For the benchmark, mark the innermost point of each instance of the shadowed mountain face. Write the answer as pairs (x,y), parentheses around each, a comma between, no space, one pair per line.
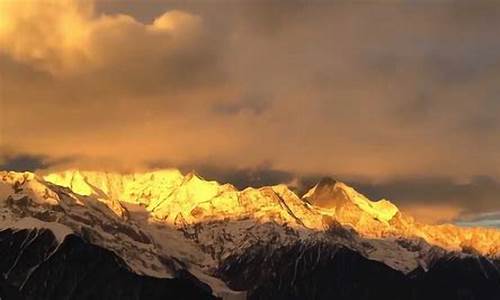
(35,266)
(459,278)
(320,271)
(325,194)
(7,291)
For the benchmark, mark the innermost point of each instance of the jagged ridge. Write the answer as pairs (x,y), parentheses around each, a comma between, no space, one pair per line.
(161,222)
(191,199)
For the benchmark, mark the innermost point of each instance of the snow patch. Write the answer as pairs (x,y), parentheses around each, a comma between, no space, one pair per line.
(60,231)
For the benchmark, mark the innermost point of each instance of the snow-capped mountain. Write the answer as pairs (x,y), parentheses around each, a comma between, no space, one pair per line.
(232,243)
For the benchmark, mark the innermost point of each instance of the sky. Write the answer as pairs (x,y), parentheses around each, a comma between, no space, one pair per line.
(400,99)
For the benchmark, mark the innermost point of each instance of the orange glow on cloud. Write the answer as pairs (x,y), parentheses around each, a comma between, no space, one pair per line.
(300,89)
(433,213)
(63,37)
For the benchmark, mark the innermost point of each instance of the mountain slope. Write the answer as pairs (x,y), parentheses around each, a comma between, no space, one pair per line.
(41,267)
(162,224)
(325,271)
(382,219)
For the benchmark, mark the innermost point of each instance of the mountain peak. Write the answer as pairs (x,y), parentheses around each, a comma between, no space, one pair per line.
(332,194)
(326,181)
(161,201)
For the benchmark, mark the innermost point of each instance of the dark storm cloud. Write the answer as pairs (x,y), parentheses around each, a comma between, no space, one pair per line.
(491,219)
(243,178)
(29,163)
(23,163)
(478,195)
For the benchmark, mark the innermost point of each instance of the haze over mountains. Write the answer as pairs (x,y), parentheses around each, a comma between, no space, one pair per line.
(212,239)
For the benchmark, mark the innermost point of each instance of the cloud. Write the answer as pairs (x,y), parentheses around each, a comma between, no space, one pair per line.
(67,37)
(364,92)
(488,219)
(242,178)
(21,163)
(51,35)
(74,79)
(477,195)
(434,213)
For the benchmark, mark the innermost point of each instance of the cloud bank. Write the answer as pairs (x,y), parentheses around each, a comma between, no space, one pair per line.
(366,92)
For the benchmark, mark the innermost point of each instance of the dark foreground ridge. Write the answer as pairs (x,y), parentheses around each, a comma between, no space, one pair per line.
(34,266)
(320,271)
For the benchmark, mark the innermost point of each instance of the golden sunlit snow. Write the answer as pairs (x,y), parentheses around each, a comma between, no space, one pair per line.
(173,198)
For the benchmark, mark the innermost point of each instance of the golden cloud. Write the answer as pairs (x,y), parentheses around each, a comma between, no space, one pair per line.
(433,213)
(67,37)
(302,88)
